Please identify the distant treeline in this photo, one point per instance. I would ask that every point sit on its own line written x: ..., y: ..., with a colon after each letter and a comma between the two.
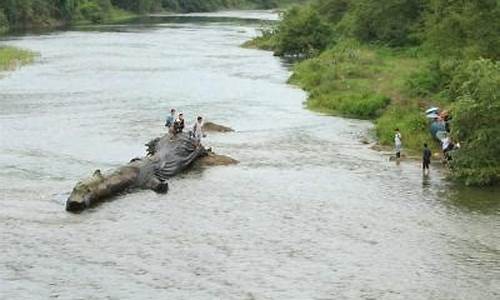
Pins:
x: 45, y: 13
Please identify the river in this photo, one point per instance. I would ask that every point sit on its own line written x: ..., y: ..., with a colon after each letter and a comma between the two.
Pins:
x: 310, y: 212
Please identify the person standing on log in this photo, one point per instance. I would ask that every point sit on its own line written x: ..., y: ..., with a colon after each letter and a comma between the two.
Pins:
x: 170, y: 119
x: 197, y: 131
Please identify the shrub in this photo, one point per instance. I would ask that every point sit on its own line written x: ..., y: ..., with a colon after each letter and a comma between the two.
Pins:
x: 267, y: 40
x: 427, y: 81
x: 390, y: 21
x: 332, y: 10
x: 463, y: 28
x: 93, y: 12
x: 361, y: 105
x: 301, y: 32
x: 476, y: 123
x: 4, y: 23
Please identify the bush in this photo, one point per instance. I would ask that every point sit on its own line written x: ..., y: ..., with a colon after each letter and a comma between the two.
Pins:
x: 476, y: 123
x: 92, y: 12
x: 332, y: 10
x: 266, y: 41
x: 361, y: 105
x: 95, y: 11
x: 463, y: 28
x: 4, y: 23
x: 301, y: 32
x: 390, y: 21
x: 427, y: 81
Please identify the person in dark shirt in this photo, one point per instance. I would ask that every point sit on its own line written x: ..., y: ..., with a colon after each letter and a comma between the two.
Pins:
x: 426, y: 159
x: 179, y: 124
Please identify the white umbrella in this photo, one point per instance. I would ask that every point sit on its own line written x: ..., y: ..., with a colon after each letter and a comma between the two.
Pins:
x: 432, y: 110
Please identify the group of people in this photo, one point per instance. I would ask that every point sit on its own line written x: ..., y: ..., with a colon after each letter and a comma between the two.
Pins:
x: 440, y: 130
x: 176, y: 124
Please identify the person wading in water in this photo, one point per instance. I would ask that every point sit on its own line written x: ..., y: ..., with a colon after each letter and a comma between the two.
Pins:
x: 398, y: 144
x: 426, y: 159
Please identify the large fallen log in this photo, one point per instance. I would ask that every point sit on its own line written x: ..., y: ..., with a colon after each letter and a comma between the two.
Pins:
x: 167, y: 156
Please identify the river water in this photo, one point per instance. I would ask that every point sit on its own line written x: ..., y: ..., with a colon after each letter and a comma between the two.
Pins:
x: 310, y: 212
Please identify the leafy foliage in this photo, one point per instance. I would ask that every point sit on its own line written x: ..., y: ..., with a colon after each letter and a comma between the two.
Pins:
x: 429, y: 80
x: 463, y: 28
x: 476, y: 122
x: 332, y: 11
x: 389, y: 21
x: 443, y: 50
x: 4, y: 23
x: 302, y: 32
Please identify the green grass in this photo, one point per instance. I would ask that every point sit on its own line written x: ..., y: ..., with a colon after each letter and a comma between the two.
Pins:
x: 121, y: 16
x: 11, y: 57
x: 263, y: 42
x: 368, y: 82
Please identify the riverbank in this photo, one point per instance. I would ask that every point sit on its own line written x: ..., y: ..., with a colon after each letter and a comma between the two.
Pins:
x: 362, y: 61
x: 17, y: 15
x: 365, y: 82
x: 369, y: 82
x: 11, y: 57
x: 115, y: 16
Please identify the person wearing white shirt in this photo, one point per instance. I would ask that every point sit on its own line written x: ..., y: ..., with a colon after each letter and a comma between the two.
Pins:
x: 197, y: 131
x: 398, y: 143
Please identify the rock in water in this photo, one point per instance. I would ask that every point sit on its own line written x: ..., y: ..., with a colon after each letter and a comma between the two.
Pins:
x: 167, y: 156
x: 212, y: 127
x: 212, y: 159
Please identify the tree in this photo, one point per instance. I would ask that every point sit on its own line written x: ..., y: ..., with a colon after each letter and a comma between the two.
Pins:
x: 463, y: 28
x: 475, y: 124
x: 390, y: 21
x: 332, y: 11
x: 4, y: 23
x: 302, y: 32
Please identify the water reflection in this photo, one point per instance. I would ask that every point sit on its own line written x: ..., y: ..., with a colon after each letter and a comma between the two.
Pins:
x: 485, y: 200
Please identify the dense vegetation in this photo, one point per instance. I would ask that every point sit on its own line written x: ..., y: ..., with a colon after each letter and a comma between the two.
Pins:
x: 46, y: 13
x: 389, y: 60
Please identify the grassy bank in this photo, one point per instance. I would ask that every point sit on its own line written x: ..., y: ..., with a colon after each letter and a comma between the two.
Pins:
x: 406, y: 56
x: 11, y: 57
x: 367, y: 82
